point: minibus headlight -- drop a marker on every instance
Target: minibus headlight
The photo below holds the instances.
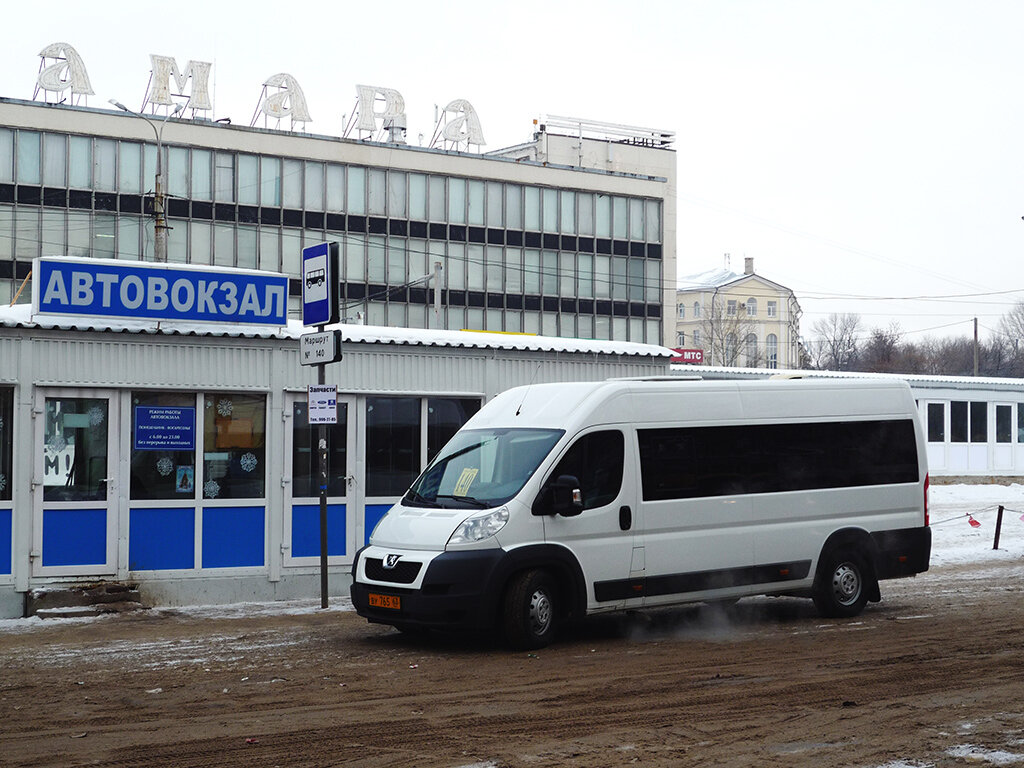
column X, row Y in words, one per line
column 480, row 527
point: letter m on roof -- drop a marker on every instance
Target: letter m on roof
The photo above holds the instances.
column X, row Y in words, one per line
column 164, row 68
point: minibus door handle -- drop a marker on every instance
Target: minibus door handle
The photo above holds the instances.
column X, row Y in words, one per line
column 625, row 518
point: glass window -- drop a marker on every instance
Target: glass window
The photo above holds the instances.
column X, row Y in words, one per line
column 586, row 275
column 476, row 203
column 652, row 283
column 549, row 271
column 223, row 245
column 392, row 444
column 958, row 421
column 455, row 272
column 620, row 284
column 200, row 249
column 80, row 162
column 397, row 262
column 79, row 233
column 248, row 180
column 234, row 438
column 653, row 221
column 224, row 177
column 636, row 219
column 54, row 232
column 75, row 449
column 475, row 267
column 335, row 187
column 730, row 307
column 513, row 206
column 6, row 442
column 567, row 212
column 397, row 183
column 202, row 174
column 291, row 183
column 979, row 422
column 376, row 196
column 457, row 201
column 306, row 457
column 377, row 260
column 602, row 277
column 104, row 231
column 104, row 169
column 586, row 213
column 603, row 216
column 550, row 210
column 1004, row 417
column 696, row 339
column 531, row 207
column 6, row 155
column 417, row 196
column 531, row 271
column 620, row 223
column 751, row 307
column 163, row 463
column 291, row 252
column 314, row 186
column 28, row 157
column 355, row 261
column 356, row 190
column 494, row 210
column 772, row 308
column 596, row 461
column 270, row 181
column 247, row 248
column 270, row 248
column 772, row 350
column 495, row 269
column 55, row 159
column 176, row 171
column 129, row 169
column 1020, row 422
column 26, row 234
column 445, row 416
column 514, row 270
column 437, row 205
column 567, row 274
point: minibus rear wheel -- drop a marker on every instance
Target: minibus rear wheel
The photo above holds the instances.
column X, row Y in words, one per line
column 841, row 589
column 530, row 610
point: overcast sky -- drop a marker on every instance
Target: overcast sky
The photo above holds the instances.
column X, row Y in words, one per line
column 861, row 152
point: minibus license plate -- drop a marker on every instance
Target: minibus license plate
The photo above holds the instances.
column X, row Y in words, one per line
column 385, row 601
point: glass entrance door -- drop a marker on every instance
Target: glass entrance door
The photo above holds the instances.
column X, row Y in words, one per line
column 302, row 472
column 75, row 484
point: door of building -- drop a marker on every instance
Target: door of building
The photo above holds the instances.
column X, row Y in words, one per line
column 75, row 483
column 302, row 486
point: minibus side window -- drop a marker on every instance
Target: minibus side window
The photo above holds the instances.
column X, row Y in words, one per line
column 596, row 461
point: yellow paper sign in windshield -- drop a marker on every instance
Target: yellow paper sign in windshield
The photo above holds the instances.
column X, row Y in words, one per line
column 465, row 480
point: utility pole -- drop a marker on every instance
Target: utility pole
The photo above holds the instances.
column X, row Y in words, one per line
column 975, row 346
column 160, row 224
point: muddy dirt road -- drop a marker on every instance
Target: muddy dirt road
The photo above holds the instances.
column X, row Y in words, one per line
column 932, row 676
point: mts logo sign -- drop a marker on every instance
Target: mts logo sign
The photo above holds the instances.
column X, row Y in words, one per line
column 692, row 356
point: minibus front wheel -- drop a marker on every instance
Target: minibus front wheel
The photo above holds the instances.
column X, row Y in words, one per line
column 530, row 610
column 843, row 584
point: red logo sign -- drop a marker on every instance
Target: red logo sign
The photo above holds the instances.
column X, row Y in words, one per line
column 691, row 356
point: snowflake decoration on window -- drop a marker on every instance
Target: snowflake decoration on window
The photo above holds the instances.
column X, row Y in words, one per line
column 3, row 482
column 248, row 462
column 96, row 416
column 225, row 407
column 1, row 423
column 56, row 443
column 211, row 489
column 165, row 466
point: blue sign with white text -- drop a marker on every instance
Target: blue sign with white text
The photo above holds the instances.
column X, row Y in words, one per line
column 164, row 428
column 159, row 292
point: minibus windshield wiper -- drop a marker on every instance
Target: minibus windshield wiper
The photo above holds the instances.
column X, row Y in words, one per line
column 467, row 499
column 415, row 498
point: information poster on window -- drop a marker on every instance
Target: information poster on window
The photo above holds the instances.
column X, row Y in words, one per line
column 165, row 428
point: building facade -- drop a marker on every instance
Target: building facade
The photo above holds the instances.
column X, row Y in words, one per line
column 738, row 320
column 569, row 235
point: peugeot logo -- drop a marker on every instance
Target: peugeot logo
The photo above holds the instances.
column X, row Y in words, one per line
column 391, row 561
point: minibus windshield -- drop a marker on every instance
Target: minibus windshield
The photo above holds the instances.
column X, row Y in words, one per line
column 482, row 468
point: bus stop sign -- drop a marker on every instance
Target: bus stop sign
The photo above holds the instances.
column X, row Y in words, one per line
column 320, row 305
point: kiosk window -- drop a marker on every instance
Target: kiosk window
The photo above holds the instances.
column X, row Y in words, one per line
column 392, row 444
column 75, row 449
column 6, row 441
column 234, row 439
column 163, row 445
column 306, row 457
column 445, row 416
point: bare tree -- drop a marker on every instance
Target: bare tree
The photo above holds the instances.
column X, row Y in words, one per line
column 725, row 328
column 834, row 347
column 883, row 352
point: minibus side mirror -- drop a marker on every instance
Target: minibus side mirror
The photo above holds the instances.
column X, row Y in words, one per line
column 566, row 496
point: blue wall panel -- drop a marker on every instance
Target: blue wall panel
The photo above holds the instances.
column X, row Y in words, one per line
column 74, row 537
column 306, row 530
column 6, row 536
column 233, row 537
column 161, row 539
column 374, row 512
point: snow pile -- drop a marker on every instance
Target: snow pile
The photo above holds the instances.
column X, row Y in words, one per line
column 955, row 541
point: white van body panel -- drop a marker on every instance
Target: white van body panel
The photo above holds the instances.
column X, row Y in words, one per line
column 632, row 551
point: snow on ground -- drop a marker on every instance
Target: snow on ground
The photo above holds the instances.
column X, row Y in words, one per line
column 955, row 542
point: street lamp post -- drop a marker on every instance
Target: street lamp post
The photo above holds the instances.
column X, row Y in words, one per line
column 160, row 225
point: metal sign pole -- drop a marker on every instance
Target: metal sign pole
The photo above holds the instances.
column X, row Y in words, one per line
column 322, row 443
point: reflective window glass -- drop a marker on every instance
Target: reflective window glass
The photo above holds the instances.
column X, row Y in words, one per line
column 397, row 182
column 200, row 249
column 175, row 172
column 55, row 159
column 494, row 208
column 550, row 203
column 376, row 194
column 28, row 157
column 202, row 174
column 75, row 449
column 26, row 235
column 437, row 207
column 234, row 437
column 224, row 177
column 356, row 190
column 620, row 218
column 475, row 267
column 6, row 441
column 247, row 248
column 104, row 168
column 80, row 162
column 335, row 187
column 270, row 181
column 603, row 216
column 6, row 155
column 476, row 203
column 531, row 208
column 314, row 186
column 129, row 171
column 79, row 233
column 392, row 444
column 248, row 180
column 223, row 245
column 104, row 236
column 457, row 201
column 164, row 439
column 291, row 183
column 567, row 206
column 513, row 206
column 306, row 456
column 417, row 196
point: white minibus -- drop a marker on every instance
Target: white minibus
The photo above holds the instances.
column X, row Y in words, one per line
column 557, row 501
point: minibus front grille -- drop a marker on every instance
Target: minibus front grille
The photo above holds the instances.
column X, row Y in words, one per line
column 404, row 571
